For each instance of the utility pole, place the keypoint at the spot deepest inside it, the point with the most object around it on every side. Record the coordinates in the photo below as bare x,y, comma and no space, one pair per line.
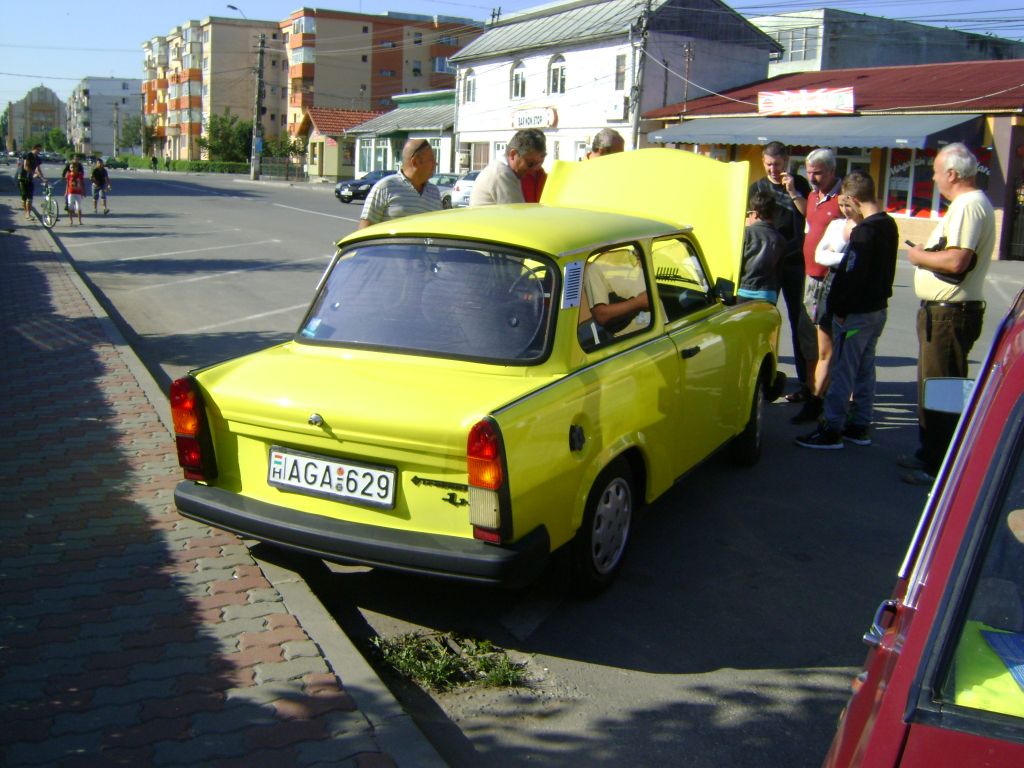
639,65
257,115
688,58
117,129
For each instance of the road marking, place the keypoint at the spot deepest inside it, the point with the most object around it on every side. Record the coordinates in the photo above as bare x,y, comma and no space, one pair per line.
215,275
237,320
196,250
318,213
120,240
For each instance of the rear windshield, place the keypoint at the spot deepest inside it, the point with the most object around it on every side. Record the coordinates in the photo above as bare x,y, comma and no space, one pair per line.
481,303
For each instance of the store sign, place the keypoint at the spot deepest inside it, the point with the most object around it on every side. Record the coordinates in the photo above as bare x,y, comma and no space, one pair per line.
534,118
806,101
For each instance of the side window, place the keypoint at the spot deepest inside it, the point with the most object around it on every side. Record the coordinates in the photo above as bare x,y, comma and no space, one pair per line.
681,281
614,298
985,670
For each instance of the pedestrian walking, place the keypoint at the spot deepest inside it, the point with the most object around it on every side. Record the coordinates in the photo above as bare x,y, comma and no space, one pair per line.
167,163
74,191
152,162
29,167
100,179
949,279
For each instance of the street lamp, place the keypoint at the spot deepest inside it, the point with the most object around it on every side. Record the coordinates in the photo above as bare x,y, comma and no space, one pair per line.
236,8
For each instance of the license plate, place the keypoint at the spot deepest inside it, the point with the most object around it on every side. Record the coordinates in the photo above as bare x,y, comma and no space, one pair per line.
334,479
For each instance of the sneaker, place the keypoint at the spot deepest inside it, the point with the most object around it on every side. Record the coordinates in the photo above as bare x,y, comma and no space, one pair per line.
811,411
106,211
918,477
859,435
822,438
909,461
799,396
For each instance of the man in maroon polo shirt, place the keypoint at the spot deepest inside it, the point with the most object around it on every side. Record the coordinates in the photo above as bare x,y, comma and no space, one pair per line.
822,208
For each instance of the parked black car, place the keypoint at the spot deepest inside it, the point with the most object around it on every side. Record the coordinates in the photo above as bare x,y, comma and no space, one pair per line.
358,189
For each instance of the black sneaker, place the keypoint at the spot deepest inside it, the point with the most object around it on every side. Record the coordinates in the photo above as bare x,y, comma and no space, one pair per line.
811,411
857,434
823,439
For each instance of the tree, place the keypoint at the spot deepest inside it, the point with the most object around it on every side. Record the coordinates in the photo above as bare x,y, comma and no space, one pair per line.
283,146
149,136
4,132
228,139
131,132
55,141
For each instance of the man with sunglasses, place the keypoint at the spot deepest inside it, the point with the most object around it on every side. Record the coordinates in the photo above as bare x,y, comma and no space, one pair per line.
501,181
407,192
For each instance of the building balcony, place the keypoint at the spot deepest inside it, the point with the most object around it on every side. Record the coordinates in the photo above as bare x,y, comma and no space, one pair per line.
300,100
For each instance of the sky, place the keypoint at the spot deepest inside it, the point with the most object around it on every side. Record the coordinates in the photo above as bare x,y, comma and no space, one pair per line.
57,43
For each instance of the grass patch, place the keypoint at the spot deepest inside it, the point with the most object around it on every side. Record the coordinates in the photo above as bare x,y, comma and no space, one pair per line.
443,662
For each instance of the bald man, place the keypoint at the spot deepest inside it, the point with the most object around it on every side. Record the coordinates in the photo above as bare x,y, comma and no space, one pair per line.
407,192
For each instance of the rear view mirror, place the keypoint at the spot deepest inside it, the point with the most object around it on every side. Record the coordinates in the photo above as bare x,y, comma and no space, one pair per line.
725,290
947,395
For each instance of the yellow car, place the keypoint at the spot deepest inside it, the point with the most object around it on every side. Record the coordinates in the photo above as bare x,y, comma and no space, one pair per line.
475,389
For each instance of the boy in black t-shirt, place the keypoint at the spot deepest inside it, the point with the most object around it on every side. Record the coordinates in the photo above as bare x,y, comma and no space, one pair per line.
29,167
858,302
100,184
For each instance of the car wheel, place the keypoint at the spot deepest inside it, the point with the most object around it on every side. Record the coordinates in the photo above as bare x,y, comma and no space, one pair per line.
745,450
597,551
446,202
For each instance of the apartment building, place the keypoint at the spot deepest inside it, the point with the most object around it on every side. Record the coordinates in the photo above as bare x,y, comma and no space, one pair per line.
209,67
96,109
34,116
343,60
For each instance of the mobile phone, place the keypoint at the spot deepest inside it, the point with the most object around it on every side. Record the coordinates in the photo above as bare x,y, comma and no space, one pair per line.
912,245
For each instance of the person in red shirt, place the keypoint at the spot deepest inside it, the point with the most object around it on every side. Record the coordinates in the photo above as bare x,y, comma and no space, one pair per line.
822,208
75,179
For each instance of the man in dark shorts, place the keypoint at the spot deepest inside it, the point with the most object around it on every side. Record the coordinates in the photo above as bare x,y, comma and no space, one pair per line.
100,184
29,168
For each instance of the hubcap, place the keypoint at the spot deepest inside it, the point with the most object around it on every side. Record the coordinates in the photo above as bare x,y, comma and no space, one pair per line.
611,525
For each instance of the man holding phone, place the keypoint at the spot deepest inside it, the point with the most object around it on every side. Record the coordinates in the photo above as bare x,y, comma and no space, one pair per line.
949,281
790,191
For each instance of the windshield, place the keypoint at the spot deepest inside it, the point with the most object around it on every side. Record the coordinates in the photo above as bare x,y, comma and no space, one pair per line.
483,302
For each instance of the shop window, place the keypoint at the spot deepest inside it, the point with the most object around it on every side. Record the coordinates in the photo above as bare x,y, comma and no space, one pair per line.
898,185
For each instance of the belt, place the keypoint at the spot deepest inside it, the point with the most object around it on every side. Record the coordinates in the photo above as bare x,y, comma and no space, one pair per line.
963,306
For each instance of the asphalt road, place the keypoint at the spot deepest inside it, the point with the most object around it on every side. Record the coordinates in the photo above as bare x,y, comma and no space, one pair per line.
734,630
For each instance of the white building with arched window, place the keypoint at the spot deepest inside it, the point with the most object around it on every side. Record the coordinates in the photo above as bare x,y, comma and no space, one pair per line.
574,68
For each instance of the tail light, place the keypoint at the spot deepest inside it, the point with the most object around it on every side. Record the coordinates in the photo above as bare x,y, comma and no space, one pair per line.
191,432
485,460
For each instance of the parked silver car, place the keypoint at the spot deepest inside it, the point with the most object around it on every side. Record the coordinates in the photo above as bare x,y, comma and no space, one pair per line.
444,183
460,192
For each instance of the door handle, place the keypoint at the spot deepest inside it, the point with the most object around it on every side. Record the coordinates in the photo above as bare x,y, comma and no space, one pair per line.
873,636
689,352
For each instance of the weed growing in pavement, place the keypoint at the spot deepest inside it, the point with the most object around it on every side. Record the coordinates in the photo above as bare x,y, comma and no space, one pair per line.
442,662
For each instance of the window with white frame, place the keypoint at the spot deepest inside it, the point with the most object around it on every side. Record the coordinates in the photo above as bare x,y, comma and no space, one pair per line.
517,89
469,87
800,44
304,25
556,75
304,55
441,64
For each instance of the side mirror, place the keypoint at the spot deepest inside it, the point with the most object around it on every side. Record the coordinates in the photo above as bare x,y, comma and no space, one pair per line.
947,395
725,290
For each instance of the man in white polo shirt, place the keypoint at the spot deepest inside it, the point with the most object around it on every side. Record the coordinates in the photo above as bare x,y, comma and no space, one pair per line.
406,192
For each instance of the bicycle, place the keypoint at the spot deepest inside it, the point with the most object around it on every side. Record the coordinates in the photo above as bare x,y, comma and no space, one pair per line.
49,210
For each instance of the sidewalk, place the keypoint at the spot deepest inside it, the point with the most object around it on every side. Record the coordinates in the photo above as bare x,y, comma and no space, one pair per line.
128,634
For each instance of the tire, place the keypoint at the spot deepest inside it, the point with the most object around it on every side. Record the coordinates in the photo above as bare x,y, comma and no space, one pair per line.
599,547
745,450
49,212
446,202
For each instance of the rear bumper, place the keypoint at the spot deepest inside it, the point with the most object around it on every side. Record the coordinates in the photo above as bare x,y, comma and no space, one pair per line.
447,556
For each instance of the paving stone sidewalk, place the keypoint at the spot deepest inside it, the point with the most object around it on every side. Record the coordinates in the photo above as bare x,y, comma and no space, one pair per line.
128,634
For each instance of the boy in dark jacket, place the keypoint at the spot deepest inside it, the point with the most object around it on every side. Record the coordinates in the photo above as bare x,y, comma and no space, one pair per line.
858,302
763,249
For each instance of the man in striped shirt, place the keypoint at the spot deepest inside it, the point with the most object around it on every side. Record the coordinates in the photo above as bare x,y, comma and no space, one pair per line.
406,192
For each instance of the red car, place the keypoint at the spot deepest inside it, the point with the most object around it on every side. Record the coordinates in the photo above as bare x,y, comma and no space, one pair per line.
943,684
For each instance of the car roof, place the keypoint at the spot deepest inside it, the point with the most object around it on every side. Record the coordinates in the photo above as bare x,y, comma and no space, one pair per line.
553,230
